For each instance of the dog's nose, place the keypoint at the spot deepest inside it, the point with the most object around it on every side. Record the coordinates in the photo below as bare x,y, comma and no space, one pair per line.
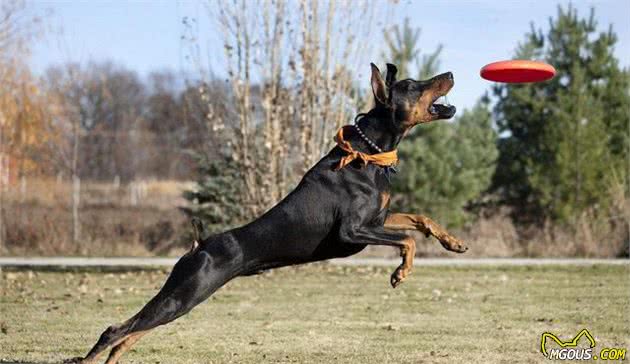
449,75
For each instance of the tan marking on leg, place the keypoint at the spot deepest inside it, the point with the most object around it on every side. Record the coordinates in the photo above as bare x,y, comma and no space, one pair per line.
93,356
384,200
98,350
407,252
400,222
427,227
122,347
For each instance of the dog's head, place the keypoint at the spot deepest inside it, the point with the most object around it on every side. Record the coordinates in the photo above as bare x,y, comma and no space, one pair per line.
412,102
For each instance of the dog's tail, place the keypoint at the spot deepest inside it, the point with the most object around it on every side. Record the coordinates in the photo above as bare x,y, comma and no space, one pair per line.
197,225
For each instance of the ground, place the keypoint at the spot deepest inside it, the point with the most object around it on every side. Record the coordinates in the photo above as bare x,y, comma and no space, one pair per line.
324,314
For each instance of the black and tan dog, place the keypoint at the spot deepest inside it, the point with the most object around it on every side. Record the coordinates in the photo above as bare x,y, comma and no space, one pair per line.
339,207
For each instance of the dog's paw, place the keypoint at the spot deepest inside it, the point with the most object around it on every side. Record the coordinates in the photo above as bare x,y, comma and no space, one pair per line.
398,276
453,244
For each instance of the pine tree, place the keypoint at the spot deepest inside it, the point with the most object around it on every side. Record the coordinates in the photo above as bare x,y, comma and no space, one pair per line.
217,197
564,139
444,166
402,50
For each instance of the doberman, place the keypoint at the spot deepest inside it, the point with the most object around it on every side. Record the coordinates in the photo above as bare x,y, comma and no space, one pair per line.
340,206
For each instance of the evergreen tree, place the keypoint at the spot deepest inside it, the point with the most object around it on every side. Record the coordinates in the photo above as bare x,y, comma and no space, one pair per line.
444,166
565,138
217,197
402,50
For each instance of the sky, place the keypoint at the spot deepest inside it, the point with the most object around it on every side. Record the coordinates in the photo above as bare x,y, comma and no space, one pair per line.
146,36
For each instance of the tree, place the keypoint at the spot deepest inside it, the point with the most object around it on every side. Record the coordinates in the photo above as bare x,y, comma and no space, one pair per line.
444,166
402,50
165,126
290,88
24,124
105,104
564,139
216,197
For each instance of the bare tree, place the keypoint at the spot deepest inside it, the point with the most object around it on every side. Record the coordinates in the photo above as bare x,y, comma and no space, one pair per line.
95,112
65,90
108,104
289,67
175,119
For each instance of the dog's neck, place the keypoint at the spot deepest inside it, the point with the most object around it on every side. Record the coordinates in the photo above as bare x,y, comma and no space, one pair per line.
378,126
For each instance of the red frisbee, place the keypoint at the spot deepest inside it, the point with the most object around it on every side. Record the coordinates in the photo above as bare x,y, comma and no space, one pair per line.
518,71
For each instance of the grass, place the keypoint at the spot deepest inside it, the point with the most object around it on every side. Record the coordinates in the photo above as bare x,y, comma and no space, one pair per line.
325,314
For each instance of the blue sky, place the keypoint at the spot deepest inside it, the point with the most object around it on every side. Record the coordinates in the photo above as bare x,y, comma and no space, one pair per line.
145,36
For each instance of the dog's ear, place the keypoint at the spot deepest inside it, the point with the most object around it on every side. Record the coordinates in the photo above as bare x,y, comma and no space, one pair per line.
378,86
391,75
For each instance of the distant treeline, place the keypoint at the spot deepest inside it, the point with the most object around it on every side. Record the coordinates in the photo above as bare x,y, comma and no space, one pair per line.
124,128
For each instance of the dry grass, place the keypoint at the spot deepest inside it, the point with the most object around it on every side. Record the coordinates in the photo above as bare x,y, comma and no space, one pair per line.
139,219
106,230
496,236
325,314
162,194
39,222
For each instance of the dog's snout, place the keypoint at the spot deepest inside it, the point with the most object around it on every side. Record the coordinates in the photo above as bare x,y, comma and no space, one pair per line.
446,76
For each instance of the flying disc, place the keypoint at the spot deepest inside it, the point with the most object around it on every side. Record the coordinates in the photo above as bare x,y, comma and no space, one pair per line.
518,71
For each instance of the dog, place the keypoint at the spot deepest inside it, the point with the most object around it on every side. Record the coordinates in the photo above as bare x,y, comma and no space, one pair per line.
340,206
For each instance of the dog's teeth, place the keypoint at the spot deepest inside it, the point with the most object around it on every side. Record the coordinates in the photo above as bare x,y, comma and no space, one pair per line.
441,100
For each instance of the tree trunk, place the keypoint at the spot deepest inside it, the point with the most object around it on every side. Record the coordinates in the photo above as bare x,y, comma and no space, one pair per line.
76,186
76,200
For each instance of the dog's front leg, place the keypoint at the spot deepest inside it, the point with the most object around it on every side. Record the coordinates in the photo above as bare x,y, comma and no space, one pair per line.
376,235
427,226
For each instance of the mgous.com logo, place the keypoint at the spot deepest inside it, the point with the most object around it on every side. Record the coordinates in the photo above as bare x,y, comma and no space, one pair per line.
569,350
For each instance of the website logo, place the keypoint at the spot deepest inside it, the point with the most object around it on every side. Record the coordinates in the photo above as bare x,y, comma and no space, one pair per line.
555,348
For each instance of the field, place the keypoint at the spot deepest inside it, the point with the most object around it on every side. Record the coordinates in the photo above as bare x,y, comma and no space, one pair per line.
324,314
140,218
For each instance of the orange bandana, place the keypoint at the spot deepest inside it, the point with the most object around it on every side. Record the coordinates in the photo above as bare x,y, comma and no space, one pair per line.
385,159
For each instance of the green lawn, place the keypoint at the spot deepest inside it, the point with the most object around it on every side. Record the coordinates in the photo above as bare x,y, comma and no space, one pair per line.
325,314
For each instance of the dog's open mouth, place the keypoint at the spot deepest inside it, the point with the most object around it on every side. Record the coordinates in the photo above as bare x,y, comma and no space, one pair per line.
441,108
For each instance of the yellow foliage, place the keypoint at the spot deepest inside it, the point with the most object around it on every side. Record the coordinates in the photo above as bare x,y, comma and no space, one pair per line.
25,127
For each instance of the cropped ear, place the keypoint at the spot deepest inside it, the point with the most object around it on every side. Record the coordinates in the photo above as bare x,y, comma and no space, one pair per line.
391,75
378,86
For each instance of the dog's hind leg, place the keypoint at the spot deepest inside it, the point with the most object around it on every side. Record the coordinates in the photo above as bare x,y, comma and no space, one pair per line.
194,278
120,349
